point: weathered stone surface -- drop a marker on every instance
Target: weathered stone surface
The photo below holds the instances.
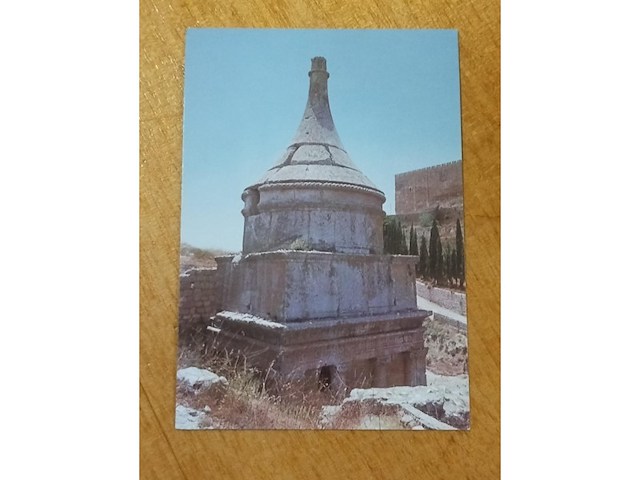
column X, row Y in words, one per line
column 424, row 189
column 380, row 350
column 189, row 418
column 312, row 298
column 200, row 297
column 199, row 381
column 290, row 286
column 327, row 216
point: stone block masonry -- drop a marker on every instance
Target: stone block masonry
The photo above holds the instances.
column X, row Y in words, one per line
column 422, row 190
column 431, row 193
column 323, row 216
column 199, row 300
column 290, row 286
column 367, row 351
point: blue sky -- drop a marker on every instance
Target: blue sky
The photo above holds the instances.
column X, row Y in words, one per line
column 394, row 95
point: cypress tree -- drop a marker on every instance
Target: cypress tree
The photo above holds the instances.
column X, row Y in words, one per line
column 440, row 264
column 459, row 252
column 435, row 252
column 413, row 241
column 447, row 263
column 452, row 271
column 397, row 237
column 386, row 235
column 422, row 263
column 392, row 236
column 403, row 242
column 454, row 266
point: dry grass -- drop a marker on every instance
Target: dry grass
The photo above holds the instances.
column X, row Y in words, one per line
column 248, row 405
column 254, row 402
column 369, row 415
column 249, row 402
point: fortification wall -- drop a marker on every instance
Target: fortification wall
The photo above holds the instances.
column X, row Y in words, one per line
column 199, row 301
column 422, row 190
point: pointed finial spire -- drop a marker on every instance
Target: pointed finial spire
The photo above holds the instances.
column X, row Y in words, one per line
column 317, row 123
column 319, row 64
column 316, row 153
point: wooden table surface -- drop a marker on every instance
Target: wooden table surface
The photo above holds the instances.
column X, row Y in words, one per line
column 167, row 453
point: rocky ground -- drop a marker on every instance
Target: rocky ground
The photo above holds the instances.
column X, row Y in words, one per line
column 447, row 352
column 441, row 404
column 206, row 400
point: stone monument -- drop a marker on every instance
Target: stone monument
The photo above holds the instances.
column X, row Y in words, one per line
column 312, row 297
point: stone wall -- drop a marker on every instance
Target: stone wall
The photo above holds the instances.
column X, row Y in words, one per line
column 422, row 190
column 199, row 300
column 449, row 299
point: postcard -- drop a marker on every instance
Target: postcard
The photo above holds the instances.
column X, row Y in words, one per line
column 322, row 263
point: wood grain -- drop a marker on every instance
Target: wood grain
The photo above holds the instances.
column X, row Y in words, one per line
column 167, row 453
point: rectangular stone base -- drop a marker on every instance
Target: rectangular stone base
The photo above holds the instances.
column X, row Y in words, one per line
column 358, row 352
column 293, row 286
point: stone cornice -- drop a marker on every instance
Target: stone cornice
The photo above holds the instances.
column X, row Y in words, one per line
column 332, row 185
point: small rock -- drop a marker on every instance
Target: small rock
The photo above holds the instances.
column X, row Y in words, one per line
column 188, row 418
column 207, row 409
column 408, row 420
column 198, row 381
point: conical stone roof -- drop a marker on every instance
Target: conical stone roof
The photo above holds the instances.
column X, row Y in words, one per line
column 316, row 153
